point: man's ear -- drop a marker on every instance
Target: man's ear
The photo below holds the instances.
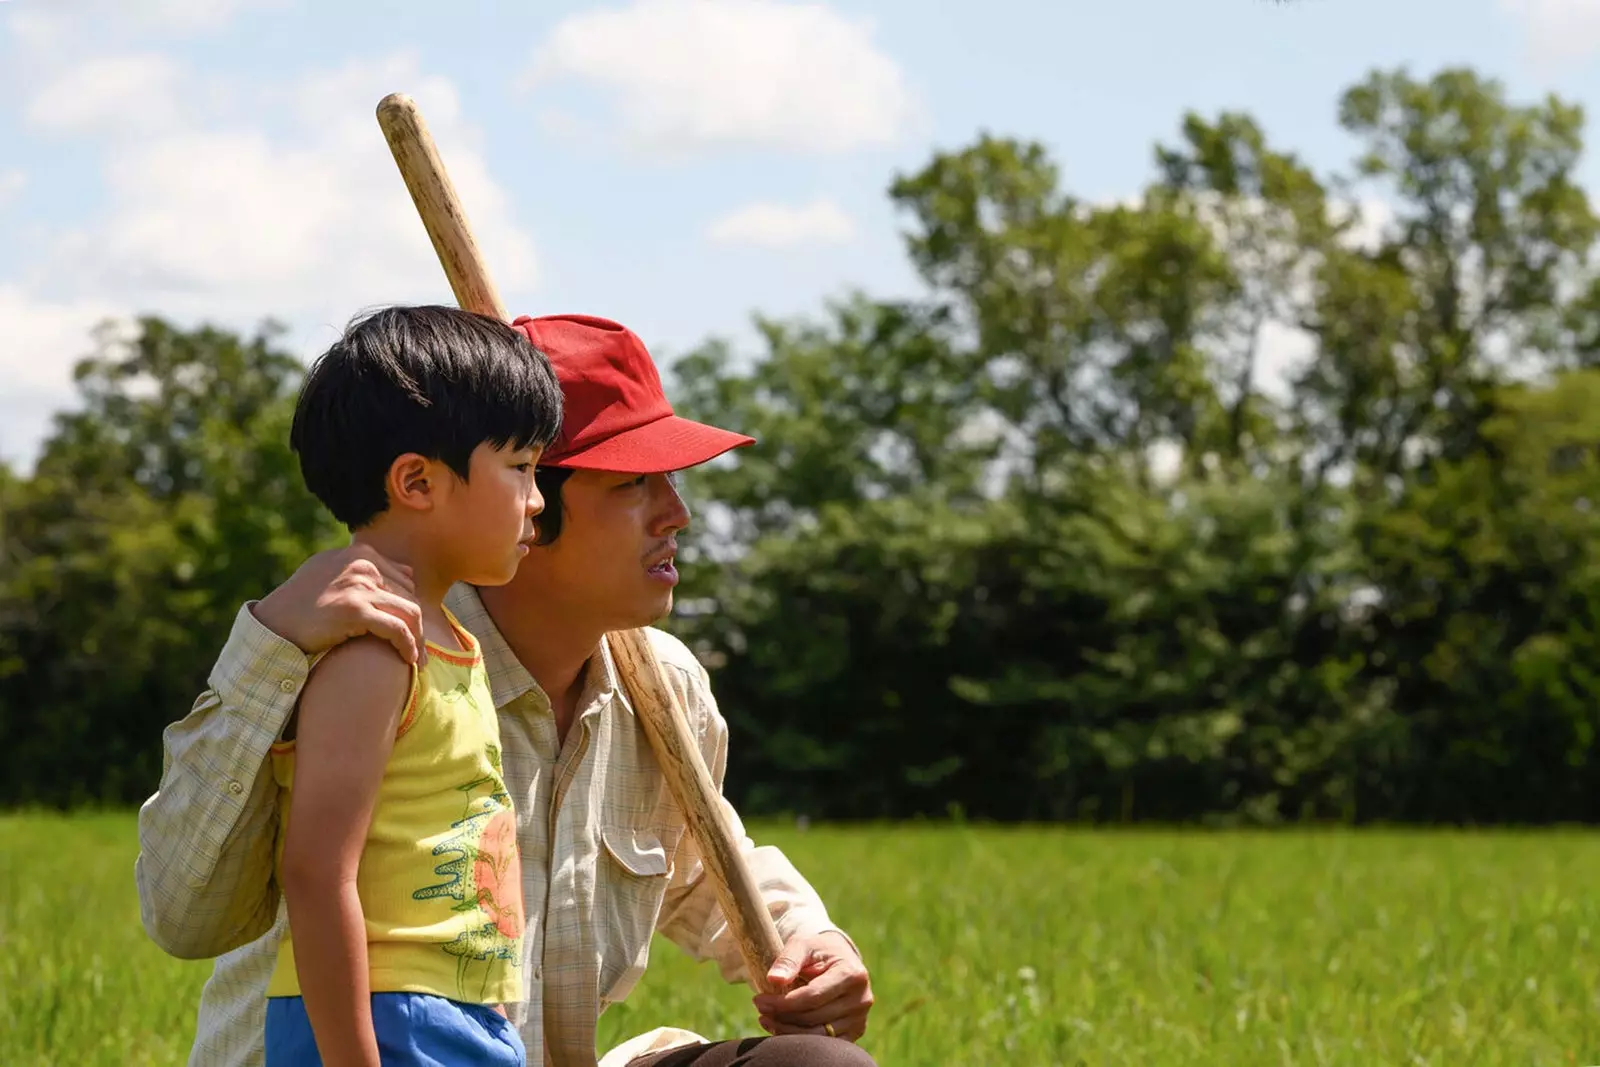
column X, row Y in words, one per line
column 414, row 483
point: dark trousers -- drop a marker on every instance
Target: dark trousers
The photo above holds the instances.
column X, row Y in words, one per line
column 786, row 1050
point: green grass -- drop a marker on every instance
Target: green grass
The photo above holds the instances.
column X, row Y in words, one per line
column 995, row 946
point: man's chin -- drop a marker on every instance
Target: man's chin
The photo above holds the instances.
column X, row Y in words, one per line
column 656, row 612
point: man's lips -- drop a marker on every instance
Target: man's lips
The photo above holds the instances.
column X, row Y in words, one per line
column 660, row 563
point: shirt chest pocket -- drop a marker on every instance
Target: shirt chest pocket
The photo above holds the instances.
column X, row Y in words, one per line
column 630, row 889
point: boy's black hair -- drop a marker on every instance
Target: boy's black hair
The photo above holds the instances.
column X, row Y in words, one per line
column 434, row 380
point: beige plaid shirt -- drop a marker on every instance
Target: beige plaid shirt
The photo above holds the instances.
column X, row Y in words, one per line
column 606, row 861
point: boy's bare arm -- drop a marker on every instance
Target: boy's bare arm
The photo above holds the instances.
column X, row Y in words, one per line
column 204, row 870
column 348, row 716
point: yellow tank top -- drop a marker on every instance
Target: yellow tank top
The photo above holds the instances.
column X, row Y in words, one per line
column 440, row 879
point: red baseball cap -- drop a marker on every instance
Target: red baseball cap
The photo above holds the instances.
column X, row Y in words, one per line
column 615, row 413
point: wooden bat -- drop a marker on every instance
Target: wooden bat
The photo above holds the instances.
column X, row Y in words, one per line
column 653, row 700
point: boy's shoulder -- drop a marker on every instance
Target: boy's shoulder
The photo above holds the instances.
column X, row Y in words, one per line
column 362, row 657
column 356, row 684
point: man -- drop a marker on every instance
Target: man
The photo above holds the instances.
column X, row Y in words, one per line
column 606, row 861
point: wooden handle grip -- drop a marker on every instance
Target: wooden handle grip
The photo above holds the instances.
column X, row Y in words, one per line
column 435, row 197
column 690, row 783
column 654, row 703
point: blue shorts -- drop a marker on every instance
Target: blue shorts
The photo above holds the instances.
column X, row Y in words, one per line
column 414, row 1030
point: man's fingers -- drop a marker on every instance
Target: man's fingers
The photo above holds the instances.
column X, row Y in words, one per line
column 368, row 570
column 393, row 630
column 395, row 620
column 788, row 965
column 372, row 594
column 809, row 1020
column 852, row 1027
column 408, row 611
column 333, row 595
column 825, row 987
column 849, row 1027
column 830, row 994
column 396, row 577
column 362, row 564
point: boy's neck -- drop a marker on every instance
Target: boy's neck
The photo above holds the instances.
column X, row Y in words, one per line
column 428, row 584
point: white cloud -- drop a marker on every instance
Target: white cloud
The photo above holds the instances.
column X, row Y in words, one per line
column 1559, row 31
column 695, row 75
column 1285, row 350
column 44, row 338
column 235, row 223
column 12, row 182
column 42, row 341
column 1283, row 354
column 192, row 14
column 111, row 94
column 58, row 24
column 782, row 225
column 1370, row 221
column 283, row 202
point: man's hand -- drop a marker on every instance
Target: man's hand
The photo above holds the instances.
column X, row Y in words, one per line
column 344, row 593
column 823, row 988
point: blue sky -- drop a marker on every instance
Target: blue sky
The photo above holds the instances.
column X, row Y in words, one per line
column 675, row 164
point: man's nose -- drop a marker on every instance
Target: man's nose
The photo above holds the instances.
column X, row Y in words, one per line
column 670, row 513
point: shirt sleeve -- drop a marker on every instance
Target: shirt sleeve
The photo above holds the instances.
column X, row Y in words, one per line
column 691, row 916
column 207, row 836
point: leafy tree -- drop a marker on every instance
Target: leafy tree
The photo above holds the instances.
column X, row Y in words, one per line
column 1044, row 542
column 1042, row 619
column 153, row 512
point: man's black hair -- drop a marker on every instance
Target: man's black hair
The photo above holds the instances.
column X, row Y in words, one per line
column 433, row 380
column 549, row 481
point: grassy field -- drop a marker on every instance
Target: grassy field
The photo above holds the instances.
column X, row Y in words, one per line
column 995, row 947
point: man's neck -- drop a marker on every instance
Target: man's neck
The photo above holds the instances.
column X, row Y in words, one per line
column 548, row 646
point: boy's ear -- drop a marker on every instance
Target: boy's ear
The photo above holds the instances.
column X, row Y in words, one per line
column 413, row 482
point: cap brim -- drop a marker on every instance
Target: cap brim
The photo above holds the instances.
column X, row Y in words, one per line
column 668, row 444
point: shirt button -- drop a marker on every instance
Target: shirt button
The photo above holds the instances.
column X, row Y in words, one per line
column 287, row 685
column 235, row 788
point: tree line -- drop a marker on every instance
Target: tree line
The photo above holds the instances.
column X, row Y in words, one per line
column 1065, row 537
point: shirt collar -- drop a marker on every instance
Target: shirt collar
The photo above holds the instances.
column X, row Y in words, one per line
column 605, row 669
column 509, row 679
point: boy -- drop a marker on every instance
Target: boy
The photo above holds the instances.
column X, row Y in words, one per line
column 419, row 430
